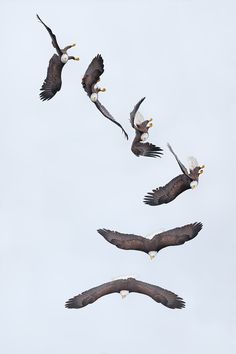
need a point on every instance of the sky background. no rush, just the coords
(67, 171)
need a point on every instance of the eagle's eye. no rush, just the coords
(64, 58)
(94, 97)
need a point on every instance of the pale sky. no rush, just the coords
(67, 171)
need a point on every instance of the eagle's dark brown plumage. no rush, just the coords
(174, 237)
(139, 147)
(176, 186)
(90, 79)
(158, 294)
(52, 83)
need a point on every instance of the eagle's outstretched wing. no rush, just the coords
(124, 241)
(169, 192)
(106, 114)
(158, 294)
(182, 167)
(53, 37)
(177, 236)
(134, 111)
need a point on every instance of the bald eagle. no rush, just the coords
(179, 184)
(174, 237)
(124, 287)
(141, 126)
(90, 79)
(52, 83)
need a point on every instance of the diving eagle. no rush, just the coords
(124, 287)
(52, 83)
(179, 184)
(141, 126)
(90, 79)
(174, 237)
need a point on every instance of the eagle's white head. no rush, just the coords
(64, 58)
(193, 184)
(152, 254)
(124, 293)
(94, 97)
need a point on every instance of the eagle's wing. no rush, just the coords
(92, 74)
(146, 149)
(183, 168)
(134, 111)
(53, 82)
(158, 294)
(124, 241)
(106, 114)
(89, 296)
(53, 37)
(177, 236)
(169, 192)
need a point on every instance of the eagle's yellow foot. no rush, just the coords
(201, 169)
(102, 89)
(73, 45)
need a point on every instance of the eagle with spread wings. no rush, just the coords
(89, 81)
(187, 180)
(141, 126)
(52, 83)
(158, 241)
(124, 287)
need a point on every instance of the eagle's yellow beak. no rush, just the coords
(150, 123)
(201, 169)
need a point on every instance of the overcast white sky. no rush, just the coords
(67, 171)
